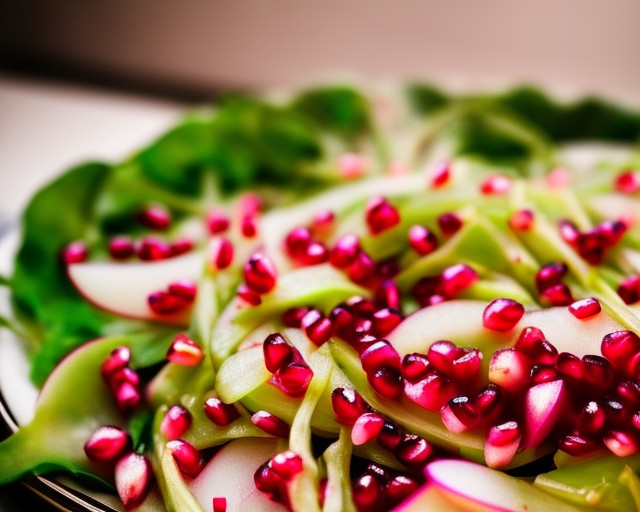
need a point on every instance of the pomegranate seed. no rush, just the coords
(362, 269)
(558, 295)
(248, 295)
(415, 366)
(541, 373)
(510, 369)
(323, 222)
(620, 443)
(293, 379)
(317, 327)
(388, 269)
(152, 248)
(277, 352)
(184, 351)
(220, 413)
(440, 174)
(219, 504)
(627, 182)
(155, 217)
(422, 240)
(617, 413)
(175, 422)
(569, 232)
(249, 226)
(449, 224)
(502, 315)
(380, 354)
(414, 451)
(347, 405)
(456, 279)
(459, 414)
(362, 306)
(550, 275)
(366, 492)
(385, 320)
(570, 366)
(121, 247)
(619, 347)
(127, 397)
(503, 434)
(388, 294)
(592, 419)
(441, 355)
(249, 204)
(576, 445)
(629, 392)
(223, 254)
(629, 289)
(366, 428)
(352, 166)
(466, 367)
(612, 231)
(260, 274)
(107, 443)
(345, 252)
(217, 221)
(293, 317)
(390, 435)
(267, 480)
(502, 444)
(381, 215)
(119, 357)
(133, 478)
(426, 288)
(521, 220)
(400, 487)
(297, 241)
(489, 400)
(558, 178)
(495, 185)
(180, 246)
(598, 372)
(75, 252)
(287, 464)
(271, 424)
(431, 392)
(533, 343)
(187, 457)
(163, 303)
(183, 289)
(386, 382)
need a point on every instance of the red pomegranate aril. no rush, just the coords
(122, 375)
(380, 354)
(248, 296)
(155, 217)
(533, 343)
(267, 480)
(617, 413)
(504, 433)
(180, 246)
(121, 247)
(184, 351)
(612, 231)
(550, 275)
(628, 392)
(489, 400)
(388, 294)
(591, 246)
(569, 232)
(461, 411)
(502, 315)
(387, 269)
(315, 254)
(107, 443)
(317, 327)
(175, 422)
(495, 185)
(414, 451)
(598, 372)
(183, 289)
(219, 504)
(415, 366)
(345, 251)
(577, 445)
(287, 464)
(271, 424)
(501, 444)
(119, 357)
(557, 295)
(249, 226)
(591, 419)
(292, 317)
(361, 306)
(385, 320)
(220, 413)
(294, 379)
(127, 397)
(297, 241)
(431, 392)
(152, 248)
(163, 303)
(362, 269)
(521, 220)
(217, 221)
(440, 174)
(75, 252)
(277, 352)
(510, 369)
(449, 224)
(620, 443)
(186, 456)
(390, 435)
(426, 288)
(133, 477)
(619, 347)
(543, 373)
(342, 320)
(635, 420)
(456, 279)
(466, 367)
(399, 487)
(381, 215)
(366, 491)
(629, 289)
(347, 405)
(570, 366)
(259, 274)
(627, 182)
(386, 382)
(223, 256)
(441, 355)
(422, 240)
(366, 428)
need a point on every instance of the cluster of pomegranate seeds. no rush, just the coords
(156, 217)
(122, 380)
(291, 374)
(187, 457)
(379, 488)
(219, 412)
(272, 476)
(592, 245)
(175, 422)
(108, 443)
(304, 249)
(381, 215)
(178, 296)
(550, 285)
(184, 351)
(271, 424)
(260, 274)
(629, 289)
(495, 185)
(627, 182)
(521, 220)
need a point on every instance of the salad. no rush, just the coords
(342, 300)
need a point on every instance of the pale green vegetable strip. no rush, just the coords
(241, 373)
(337, 458)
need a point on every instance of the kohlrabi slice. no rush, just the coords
(229, 474)
(241, 373)
(429, 497)
(594, 483)
(123, 288)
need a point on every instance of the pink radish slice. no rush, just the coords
(123, 288)
(230, 474)
(430, 498)
(544, 403)
(474, 487)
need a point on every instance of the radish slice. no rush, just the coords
(430, 498)
(230, 474)
(123, 288)
(471, 486)
(544, 404)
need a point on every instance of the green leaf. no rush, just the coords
(426, 99)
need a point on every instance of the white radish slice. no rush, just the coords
(474, 487)
(229, 474)
(428, 497)
(123, 288)
(616, 206)
(544, 403)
